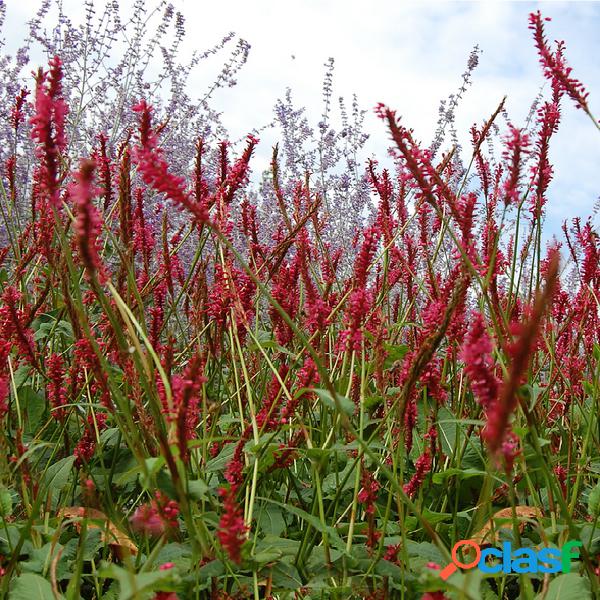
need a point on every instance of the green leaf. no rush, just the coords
(219, 462)
(41, 558)
(459, 473)
(154, 464)
(51, 327)
(425, 550)
(266, 557)
(6, 502)
(215, 568)
(346, 405)
(286, 577)
(449, 429)
(332, 483)
(568, 586)
(394, 353)
(109, 437)
(57, 474)
(285, 546)
(141, 585)
(34, 405)
(270, 520)
(179, 554)
(333, 536)
(21, 375)
(594, 502)
(198, 490)
(92, 543)
(30, 586)
(434, 517)
(386, 568)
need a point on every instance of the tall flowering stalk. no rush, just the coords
(478, 363)
(519, 353)
(155, 171)
(88, 222)
(184, 401)
(232, 529)
(48, 128)
(554, 65)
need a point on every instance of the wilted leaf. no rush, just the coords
(489, 533)
(111, 534)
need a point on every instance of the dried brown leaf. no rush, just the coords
(489, 533)
(110, 533)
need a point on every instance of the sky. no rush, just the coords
(409, 54)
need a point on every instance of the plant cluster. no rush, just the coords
(197, 402)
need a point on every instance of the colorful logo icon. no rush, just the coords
(519, 560)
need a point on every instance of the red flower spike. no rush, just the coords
(232, 529)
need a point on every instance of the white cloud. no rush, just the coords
(407, 54)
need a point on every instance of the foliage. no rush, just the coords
(199, 403)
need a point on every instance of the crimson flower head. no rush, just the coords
(146, 520)
(232, 529)
(157, 517)
(88, 222)
(368, 492)
(17, 114)
(478, 363)
(422, 469)
(155, 170)
(554, 64)
(56, 392)
(515, 153)
(48, 126)
(3, 396)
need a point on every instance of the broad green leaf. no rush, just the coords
(40, 559)
(568, 586)
(198, 490)
(449, 428)
(136, 586)
(270, 519)
(219, 462)
(333, 536)
(459, 473)
(286, 577)
(594, 502)
(346, 405)
(57, 474)
(6, 502)
(394, 353)
(34, 405)
(215, 568)
(22, 375)
(30, 586)
(179, 554)
(388, 569)
(285, 546)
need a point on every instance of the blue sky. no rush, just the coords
(407, 54)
